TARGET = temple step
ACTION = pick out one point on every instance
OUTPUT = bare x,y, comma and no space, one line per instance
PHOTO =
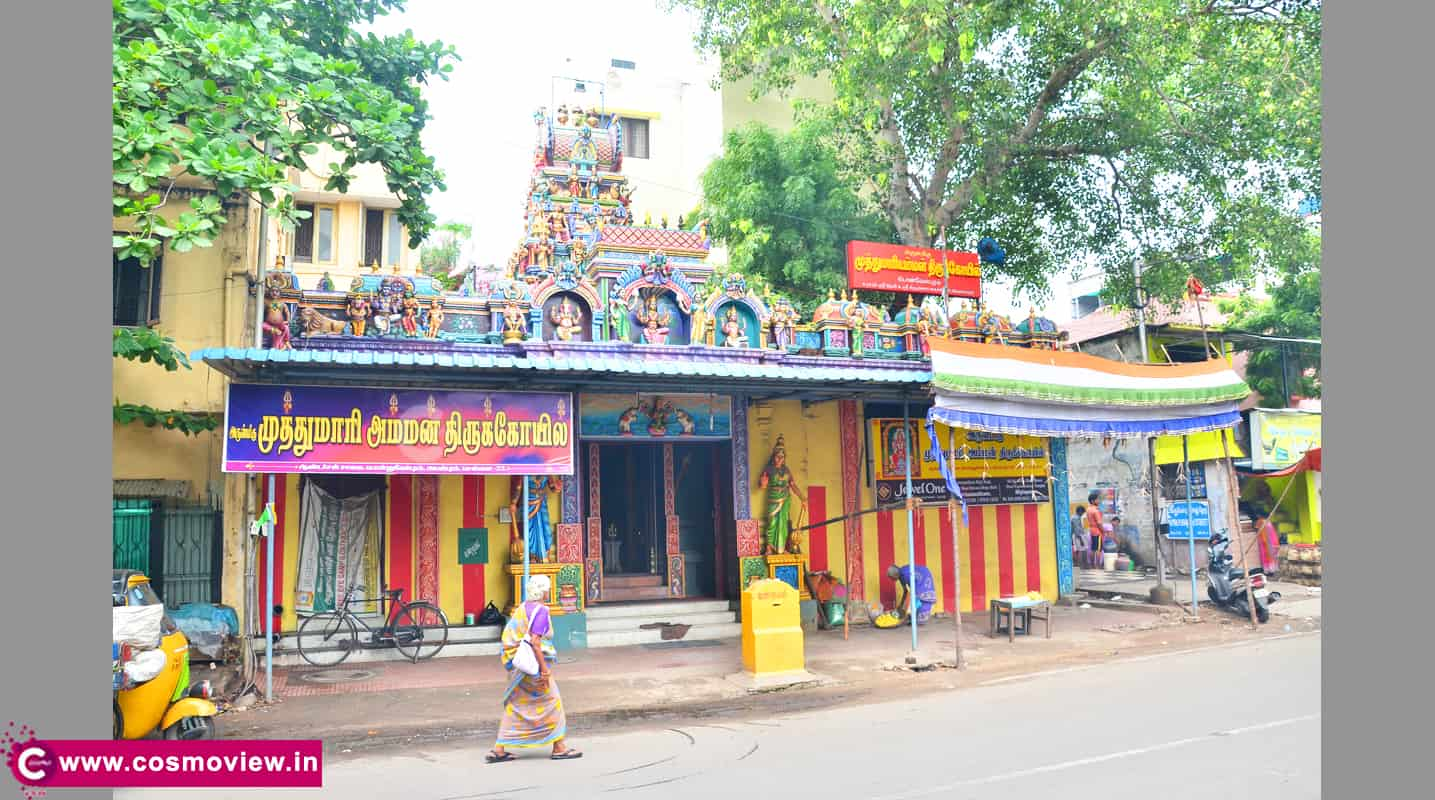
619,625
669,611
618,594
632,581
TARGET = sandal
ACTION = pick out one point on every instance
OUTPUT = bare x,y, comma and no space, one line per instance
567,754
494,757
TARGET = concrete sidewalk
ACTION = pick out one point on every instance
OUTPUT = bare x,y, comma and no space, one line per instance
1297,601
382,703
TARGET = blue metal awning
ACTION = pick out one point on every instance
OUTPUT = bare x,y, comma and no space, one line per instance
602,367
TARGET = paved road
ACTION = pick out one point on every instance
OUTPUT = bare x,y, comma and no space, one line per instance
1235,722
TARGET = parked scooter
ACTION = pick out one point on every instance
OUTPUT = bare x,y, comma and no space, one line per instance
1227,587
162,699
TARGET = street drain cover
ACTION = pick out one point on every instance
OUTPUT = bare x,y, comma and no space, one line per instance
682,644
329,676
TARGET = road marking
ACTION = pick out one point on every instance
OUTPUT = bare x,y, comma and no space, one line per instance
1152,657
1082,762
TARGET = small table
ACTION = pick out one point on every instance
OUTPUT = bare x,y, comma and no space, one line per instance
1014,607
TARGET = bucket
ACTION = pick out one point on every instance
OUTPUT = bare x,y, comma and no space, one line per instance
1108,562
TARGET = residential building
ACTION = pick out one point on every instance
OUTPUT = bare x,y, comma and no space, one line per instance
173,508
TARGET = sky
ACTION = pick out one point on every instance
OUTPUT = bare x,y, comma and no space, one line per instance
482,130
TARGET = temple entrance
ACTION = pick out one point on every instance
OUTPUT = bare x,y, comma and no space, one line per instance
645,487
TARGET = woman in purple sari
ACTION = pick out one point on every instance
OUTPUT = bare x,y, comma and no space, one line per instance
532,708
916,580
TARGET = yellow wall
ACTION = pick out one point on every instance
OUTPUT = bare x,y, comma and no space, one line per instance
205,302
202,304
498,588
814,455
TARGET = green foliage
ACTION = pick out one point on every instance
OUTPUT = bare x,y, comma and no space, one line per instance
778,203
1090,130
149,346
202,87
1293,311
188,423
440,252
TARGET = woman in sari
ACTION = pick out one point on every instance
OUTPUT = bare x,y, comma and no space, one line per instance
532,708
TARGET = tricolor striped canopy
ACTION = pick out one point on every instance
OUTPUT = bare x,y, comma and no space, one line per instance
1073,395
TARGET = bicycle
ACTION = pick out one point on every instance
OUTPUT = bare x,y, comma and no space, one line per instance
419,630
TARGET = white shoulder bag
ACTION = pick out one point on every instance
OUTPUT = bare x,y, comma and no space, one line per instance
524,660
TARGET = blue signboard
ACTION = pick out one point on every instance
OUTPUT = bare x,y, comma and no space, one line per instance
1181,517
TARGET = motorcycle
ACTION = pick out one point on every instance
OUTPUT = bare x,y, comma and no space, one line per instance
152,689
1227,587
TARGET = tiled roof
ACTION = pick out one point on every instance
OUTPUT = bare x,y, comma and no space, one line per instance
652,238
1104,322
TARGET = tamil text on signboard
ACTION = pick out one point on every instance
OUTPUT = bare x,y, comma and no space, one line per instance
361,431
1182,518
912,270
990,468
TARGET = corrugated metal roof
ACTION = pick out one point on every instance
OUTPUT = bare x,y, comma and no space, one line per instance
664,365
151,488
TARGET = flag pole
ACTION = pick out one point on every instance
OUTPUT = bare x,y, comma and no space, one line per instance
946,279
523,593
911,525
269,594
1190,518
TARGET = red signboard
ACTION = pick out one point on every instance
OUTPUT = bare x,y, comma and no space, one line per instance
912,270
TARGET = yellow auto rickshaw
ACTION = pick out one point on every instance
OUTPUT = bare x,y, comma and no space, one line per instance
167,702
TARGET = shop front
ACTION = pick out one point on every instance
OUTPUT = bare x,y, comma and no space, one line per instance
1060,396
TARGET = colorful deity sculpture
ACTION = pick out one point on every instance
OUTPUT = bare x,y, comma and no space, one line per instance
326,283
536,521
857,318
780,488
567,321
618,319
276,320
585,151
559,226
409,321
699,325
784,324
435,318
358,310
514,321
655,322
732,332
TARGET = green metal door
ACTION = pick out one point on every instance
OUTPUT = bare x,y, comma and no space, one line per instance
132,527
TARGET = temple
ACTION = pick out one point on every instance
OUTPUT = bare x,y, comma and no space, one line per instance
721,433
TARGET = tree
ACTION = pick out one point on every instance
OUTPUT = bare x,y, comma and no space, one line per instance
1084,130
778,203
441,252
233,94
1293,311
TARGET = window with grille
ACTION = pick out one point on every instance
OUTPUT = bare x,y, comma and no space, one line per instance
136,291
635,138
